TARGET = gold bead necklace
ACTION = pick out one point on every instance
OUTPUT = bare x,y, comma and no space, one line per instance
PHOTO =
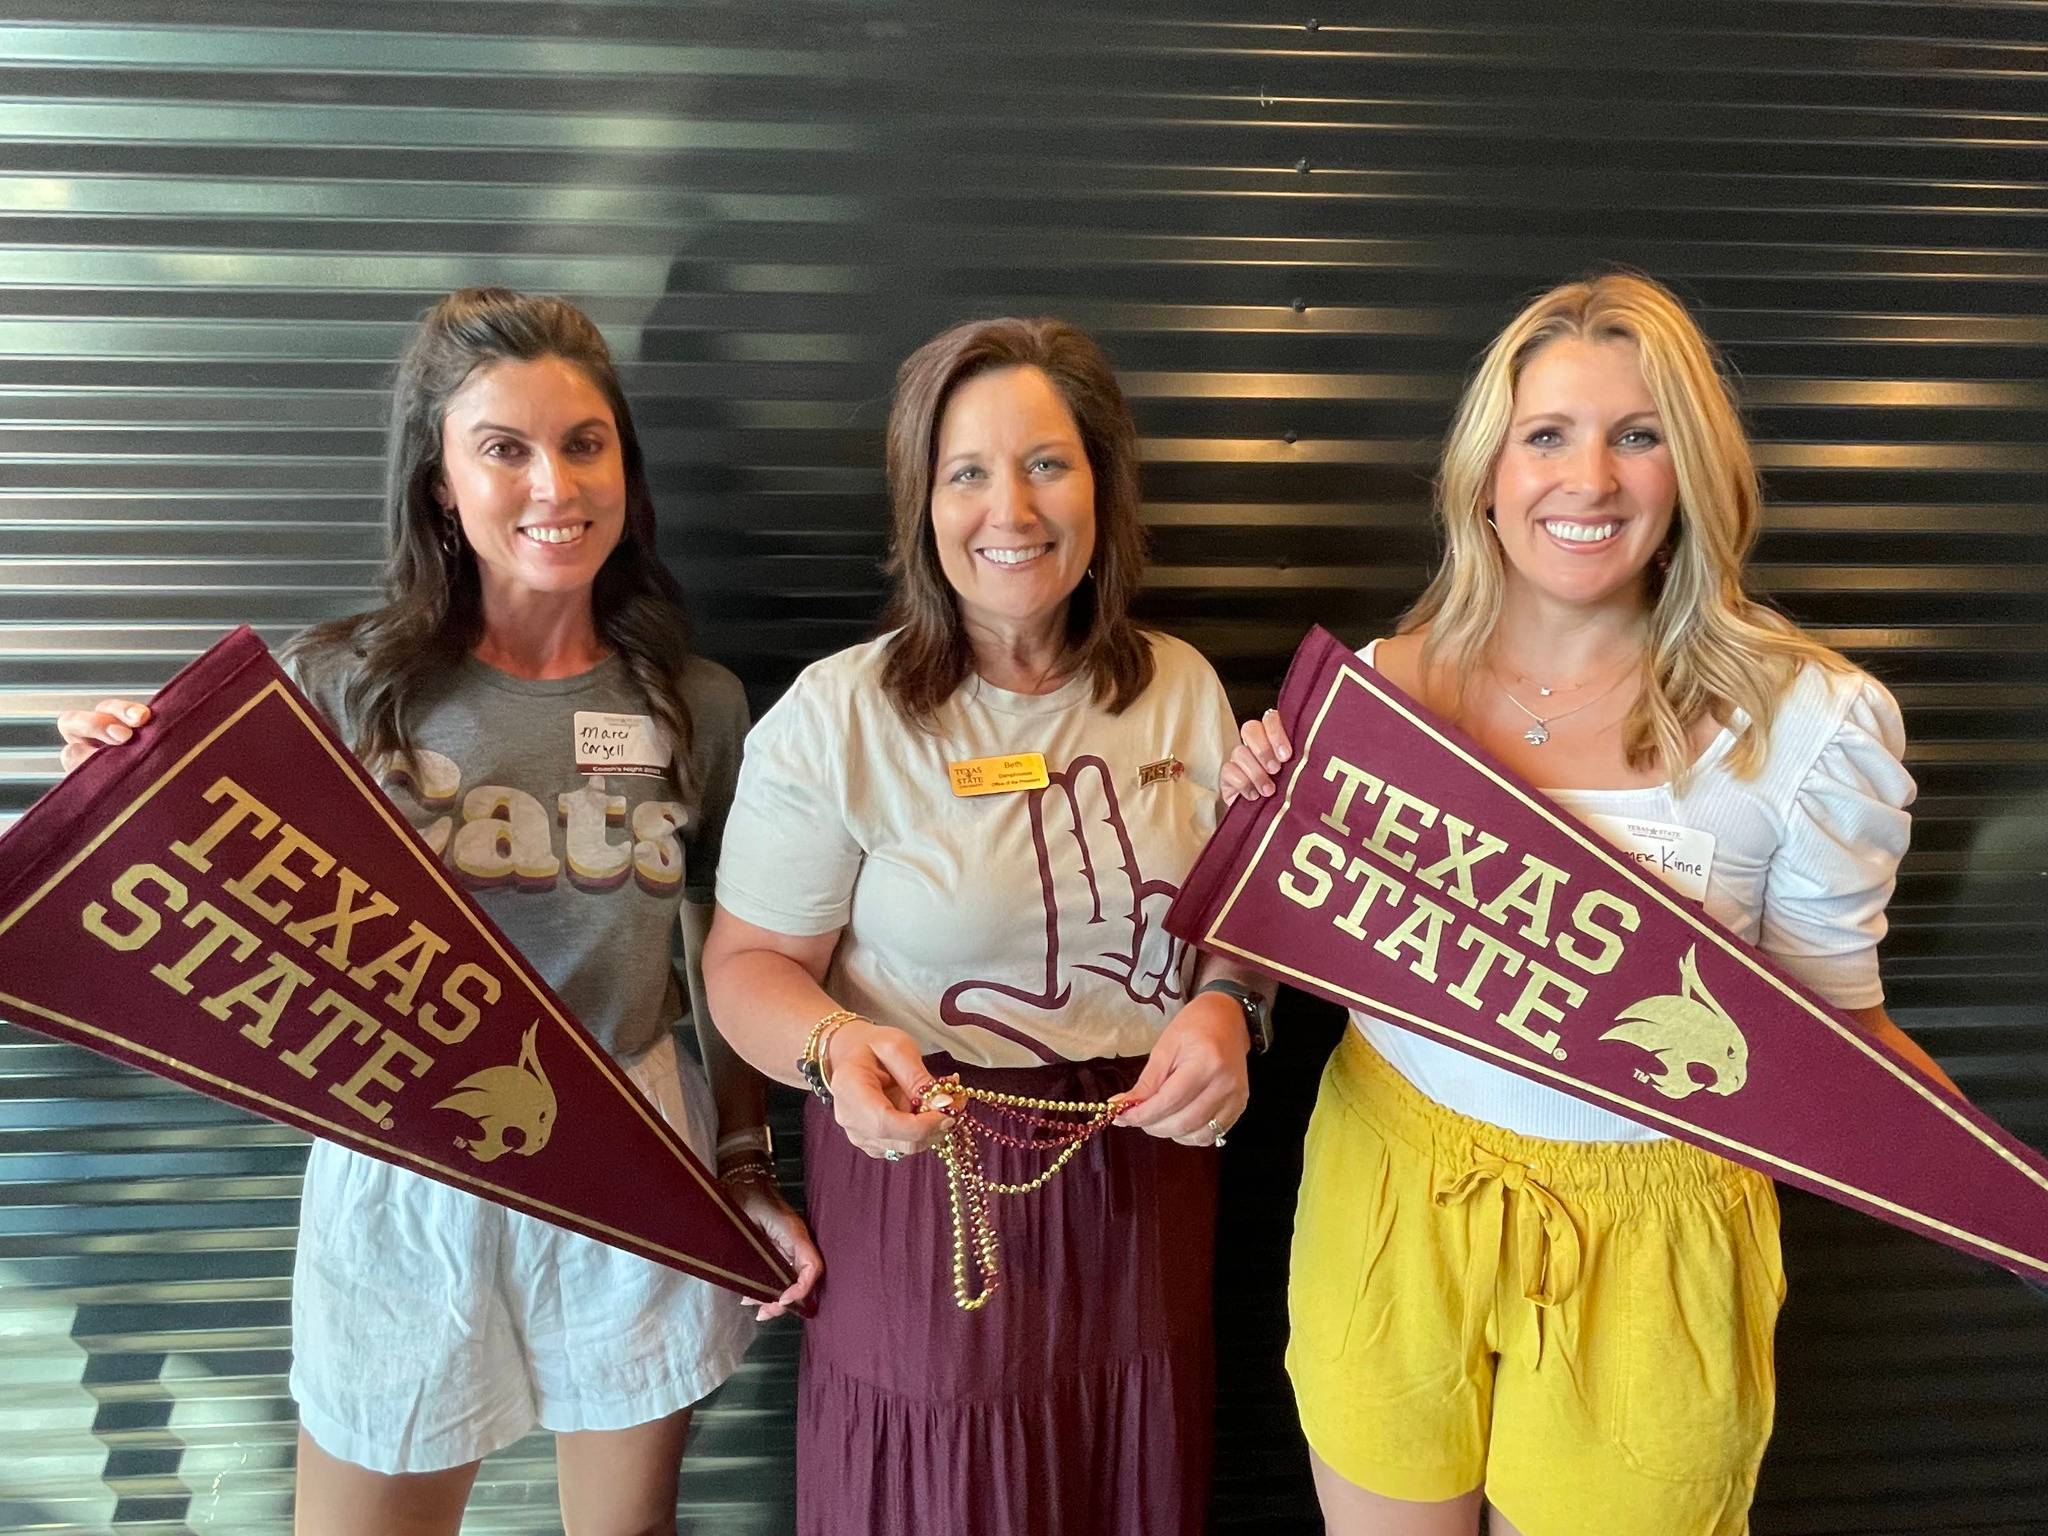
977,1252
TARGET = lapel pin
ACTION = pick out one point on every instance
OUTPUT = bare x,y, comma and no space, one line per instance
1161,772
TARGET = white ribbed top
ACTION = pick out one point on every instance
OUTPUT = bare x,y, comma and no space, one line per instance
1805,857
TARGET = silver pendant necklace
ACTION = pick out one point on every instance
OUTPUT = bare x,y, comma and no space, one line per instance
1539,725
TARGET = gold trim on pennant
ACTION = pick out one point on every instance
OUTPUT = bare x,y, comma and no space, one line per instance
607,1068
1647,887
304,1119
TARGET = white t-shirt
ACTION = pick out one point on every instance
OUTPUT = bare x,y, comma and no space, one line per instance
1004,929
1806,853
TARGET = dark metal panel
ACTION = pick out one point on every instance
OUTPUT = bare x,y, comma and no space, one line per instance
217,218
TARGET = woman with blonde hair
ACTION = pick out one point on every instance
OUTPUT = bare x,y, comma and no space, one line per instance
1504,1298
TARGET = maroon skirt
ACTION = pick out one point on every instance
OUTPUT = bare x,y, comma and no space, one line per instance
1077,1401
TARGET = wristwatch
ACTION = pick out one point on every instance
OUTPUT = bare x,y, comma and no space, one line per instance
757,1139
1258,1013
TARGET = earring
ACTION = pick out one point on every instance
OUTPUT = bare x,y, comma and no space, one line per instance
451,534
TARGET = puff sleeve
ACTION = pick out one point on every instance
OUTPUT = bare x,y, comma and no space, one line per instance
790,856
1845,832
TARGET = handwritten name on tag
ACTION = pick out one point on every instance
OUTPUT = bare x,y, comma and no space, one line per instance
1682,856
998,775
608,743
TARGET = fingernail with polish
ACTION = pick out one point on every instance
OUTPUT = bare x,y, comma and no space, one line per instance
119,732
134,715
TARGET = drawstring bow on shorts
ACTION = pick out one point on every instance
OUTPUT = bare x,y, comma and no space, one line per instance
1546,1239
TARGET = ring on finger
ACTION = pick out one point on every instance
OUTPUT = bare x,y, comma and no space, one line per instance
891,1155
1215,1134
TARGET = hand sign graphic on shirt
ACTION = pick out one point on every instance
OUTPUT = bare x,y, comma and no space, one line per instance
1102,915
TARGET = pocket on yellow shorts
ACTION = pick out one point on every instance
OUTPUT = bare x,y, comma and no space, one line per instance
1705,1283
1341,1223
1375,1291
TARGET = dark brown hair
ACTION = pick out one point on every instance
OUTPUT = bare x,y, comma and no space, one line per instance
928,657
432,615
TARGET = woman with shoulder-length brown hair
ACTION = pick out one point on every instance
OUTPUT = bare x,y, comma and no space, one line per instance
880,923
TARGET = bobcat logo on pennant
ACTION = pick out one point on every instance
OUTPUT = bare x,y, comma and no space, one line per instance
500,1099
1683,1032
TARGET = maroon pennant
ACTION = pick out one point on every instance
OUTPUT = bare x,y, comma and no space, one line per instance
229,901
1403,872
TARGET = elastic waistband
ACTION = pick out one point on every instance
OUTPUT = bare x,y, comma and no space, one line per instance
1628,1171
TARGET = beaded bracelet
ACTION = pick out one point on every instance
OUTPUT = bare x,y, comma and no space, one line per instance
811,1064
744,1168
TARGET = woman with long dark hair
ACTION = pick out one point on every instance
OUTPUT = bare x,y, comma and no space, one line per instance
523,595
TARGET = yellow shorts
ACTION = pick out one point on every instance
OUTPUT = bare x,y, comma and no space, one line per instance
1585,1328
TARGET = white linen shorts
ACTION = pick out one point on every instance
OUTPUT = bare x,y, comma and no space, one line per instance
430,1327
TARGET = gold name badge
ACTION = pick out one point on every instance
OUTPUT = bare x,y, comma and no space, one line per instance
1165,771
998,775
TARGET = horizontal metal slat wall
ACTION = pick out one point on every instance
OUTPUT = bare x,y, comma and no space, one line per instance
217,218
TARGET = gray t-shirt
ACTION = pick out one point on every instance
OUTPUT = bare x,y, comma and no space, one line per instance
583,871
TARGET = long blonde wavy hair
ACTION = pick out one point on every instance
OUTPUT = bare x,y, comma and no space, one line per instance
1712,651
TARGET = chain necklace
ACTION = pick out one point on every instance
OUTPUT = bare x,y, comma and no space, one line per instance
1539,725
1545,690
1047,1125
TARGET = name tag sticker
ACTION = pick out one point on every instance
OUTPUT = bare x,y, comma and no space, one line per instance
1682,856
998,775
607,743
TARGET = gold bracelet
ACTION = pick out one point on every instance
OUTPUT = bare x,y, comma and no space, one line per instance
811,1065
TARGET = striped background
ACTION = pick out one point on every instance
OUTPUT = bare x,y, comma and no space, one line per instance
218,216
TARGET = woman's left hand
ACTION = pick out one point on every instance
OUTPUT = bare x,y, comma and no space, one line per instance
765,1207
1195,1083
